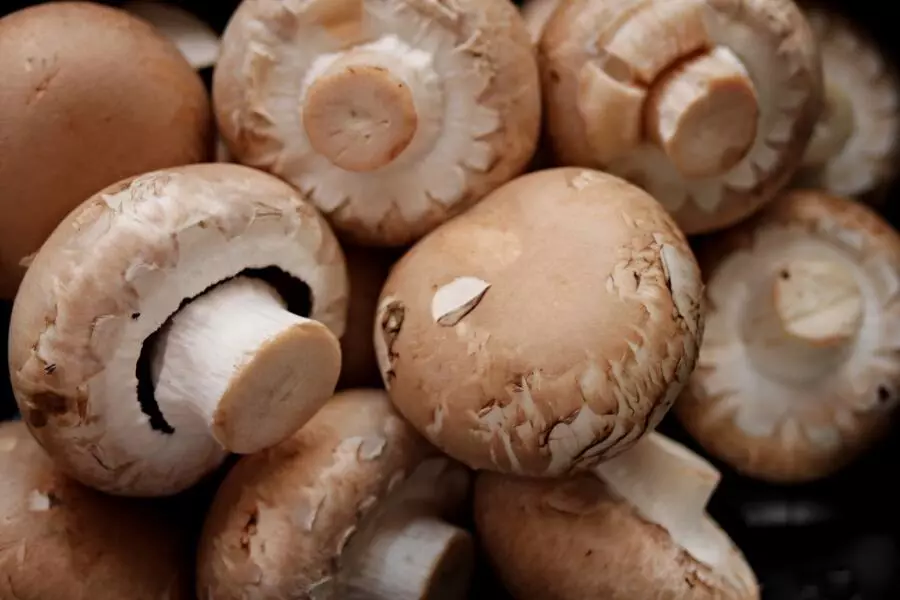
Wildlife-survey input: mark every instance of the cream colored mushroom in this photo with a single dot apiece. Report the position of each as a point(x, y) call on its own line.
point(800, 366)
point(393, 115)
point(195, 39)
point(352, 506)
point(635, 528)
point(146, 340)
point(854, 150)
point(59, 539)
point(544, 330)
point(707, 104)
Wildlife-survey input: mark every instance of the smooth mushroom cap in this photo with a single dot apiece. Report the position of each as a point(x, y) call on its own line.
point(59, 539)
point(295, 520)
point(392, 115)
point(112, 274)
point(196, 40)
point(799, 368)
point(545, 329)
point(854, 150)
point(706, 104)
point(642, 534)
point(90, 95)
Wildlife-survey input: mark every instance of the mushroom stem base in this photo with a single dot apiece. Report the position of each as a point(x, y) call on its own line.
point(251, 370)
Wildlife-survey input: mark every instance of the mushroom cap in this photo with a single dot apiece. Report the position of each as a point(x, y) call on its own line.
point(856, 74)
point(283, 518)
point(112, 273)
point(579, 538)
point(484, 133)
point(90, 95)
point(773, 429)
point(583, 50)
point(196, 40)
point(545, 329)
point(59, 539)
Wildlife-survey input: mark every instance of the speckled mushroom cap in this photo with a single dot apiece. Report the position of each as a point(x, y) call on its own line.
point(90, 95)
point(547, 328)
point(854, 149)
point(291, 521)
point(112, 274)
point(707, 104)
point(603, 537)
point(800, 366)
point(392, 114)
point(59, 539)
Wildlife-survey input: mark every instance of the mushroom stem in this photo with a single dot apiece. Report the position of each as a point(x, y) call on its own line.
point(833, 129)
point(253, 371)
point(812, 315)
point(365, 108)
point(703, 113)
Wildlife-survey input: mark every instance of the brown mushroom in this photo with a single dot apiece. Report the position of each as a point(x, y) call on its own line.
point(146, 339)
point(195, 39)
point(59, 539)
point(707, 104)
point(636, 528)
point(854, 150)
point(393, 115)
point(350, 507)
point(547, 328)
point(800, 365)
point(90, 95)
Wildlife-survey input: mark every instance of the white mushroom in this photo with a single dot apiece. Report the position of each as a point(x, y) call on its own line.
point(635, 528)
point(393, 115)
point(707, 104)
point(195, 39)
point(800, 366)
point(142, 344)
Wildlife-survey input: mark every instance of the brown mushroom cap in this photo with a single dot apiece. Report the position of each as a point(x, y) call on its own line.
point(115, 271)
point(90, 95)
point(707, 104)
point(295, 520)
point(59, 539)
point(547, 328)
point(593, 536)
point(392, 115)
point(799, 367)
point(855, 147)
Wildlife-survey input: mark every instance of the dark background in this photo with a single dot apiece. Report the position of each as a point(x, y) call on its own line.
point(835, 540)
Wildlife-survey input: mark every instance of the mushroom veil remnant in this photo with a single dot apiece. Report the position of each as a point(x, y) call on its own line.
point(352, 506)
point(153, 333)
point(854, 150)
point(393, 115)
point(546, 329)
point(800, 366)
point(635, 528)
point(706, 104)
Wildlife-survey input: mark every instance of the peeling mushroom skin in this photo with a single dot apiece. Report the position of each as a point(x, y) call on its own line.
point(591, 537)
point(334, 512)
point(393, 115)
point(854, 149)
point(164, 253)
point(706, 104)
point(799, 370)
point(59, 539)
point(544, 330)
point(90, 95)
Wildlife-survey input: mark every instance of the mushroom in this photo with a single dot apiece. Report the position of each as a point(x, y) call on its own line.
point(195, 39)
point(59, 539)
point(351, 506)
point(537, 14)
point(707, 104)
point(545, 329)
point(393, 115)
point(800, 365)
point(90, 95)
point(854, 149)
point(636, 528)
point(146, 339)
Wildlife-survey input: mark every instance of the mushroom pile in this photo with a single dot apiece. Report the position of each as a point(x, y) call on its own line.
point(370, 291)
